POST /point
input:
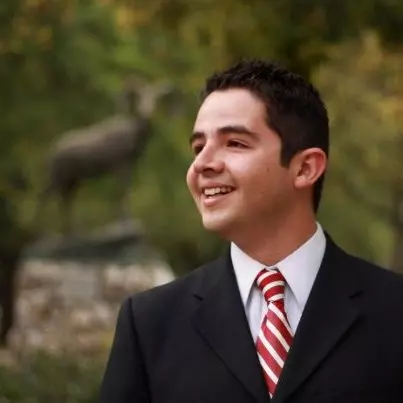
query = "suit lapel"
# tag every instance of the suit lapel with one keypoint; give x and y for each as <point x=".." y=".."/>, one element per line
<point x="329" y="314"/>
<point x="221" y="322"/>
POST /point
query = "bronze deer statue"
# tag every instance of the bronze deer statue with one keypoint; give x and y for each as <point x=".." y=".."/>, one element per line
<point x="110" y="146"/>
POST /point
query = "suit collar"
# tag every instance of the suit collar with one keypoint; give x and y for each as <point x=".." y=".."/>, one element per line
<point x="330" y="312"/>
<point x="221" y="322"/>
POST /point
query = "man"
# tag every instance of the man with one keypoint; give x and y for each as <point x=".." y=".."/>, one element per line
<point x="285" y="315"/>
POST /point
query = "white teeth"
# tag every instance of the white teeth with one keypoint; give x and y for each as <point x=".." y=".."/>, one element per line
<point x="217" y="190"/>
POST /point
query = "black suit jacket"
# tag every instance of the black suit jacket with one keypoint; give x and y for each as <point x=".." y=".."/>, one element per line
<point x="189" y="341"/>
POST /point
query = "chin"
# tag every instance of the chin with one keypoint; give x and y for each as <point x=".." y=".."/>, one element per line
<point x="212" y="226"/>
<point x="219" y="226"/>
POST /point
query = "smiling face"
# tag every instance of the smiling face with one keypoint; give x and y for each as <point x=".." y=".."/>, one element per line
<point x="236" y="178"/>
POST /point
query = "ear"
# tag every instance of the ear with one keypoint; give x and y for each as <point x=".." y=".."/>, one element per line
<point x="308" y="166"/>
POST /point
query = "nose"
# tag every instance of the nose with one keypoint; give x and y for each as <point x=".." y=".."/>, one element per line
<point x="208" y="160"/>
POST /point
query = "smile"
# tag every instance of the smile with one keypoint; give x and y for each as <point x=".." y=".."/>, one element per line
<point x="215" y="195"/>
<point x="214" y="191"/>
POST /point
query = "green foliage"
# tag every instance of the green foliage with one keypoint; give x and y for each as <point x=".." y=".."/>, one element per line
<point x="45" y="378"/>
<point x="363" y="89"/>
<point x="63" y="63"/>
<point x="297" y="33"/>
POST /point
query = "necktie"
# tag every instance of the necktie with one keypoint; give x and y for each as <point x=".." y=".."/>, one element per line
<point x="275" y="336"/>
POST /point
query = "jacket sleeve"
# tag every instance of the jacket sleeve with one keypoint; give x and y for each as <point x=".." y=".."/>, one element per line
<point x="124" y="379"/>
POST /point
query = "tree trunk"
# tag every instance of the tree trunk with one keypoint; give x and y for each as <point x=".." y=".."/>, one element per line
<point x="7" y="299"/>
<point x="397" y="222"/>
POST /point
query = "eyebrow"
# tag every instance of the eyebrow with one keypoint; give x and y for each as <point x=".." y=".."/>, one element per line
<point x="229" y="129"/>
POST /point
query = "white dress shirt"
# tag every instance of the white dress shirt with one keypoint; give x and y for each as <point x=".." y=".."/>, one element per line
<point x="299" y="270"/>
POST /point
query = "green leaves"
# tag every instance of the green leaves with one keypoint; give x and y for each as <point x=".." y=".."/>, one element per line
<point x="64" y="62"/>
<point x="44" y="378"/>
<point x="364" y="92"/>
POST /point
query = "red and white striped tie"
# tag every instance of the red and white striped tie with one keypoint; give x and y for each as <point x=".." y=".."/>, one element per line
<point x="275" y="336"/>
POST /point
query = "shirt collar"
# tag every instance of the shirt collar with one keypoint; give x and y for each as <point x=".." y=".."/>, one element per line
<point x="299" y="268"/>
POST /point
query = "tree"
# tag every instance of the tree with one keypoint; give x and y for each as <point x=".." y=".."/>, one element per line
<point x="57" y="58"/>
<point x="363" y="87"/>
<point x="63" y="61"/>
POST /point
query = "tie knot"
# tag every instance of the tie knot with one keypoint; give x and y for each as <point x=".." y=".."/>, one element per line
<point x="272" y="284"/>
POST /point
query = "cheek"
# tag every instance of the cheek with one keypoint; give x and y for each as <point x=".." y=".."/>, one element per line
<point x="255" y="176"/>
<point x="263" y="183"/>
<point x="245" y="171"/>
<point x="190" y="177"/>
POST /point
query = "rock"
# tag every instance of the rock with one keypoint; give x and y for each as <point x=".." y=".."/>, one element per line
<point x="34" y="274"/>
<point x="98" y="316"/>
<point x="71" y="307"/>
<point x="80" y="282"/>
<point x="104" y="315"/>
<point x="161" y="274"/>
<point x="80" y="319"/>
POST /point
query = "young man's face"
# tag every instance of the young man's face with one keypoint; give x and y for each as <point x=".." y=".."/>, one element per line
<point x="236" y="178"/>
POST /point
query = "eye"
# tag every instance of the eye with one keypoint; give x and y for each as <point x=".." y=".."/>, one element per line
<point x="197" y="148"/>
<point x="236" y="144"/>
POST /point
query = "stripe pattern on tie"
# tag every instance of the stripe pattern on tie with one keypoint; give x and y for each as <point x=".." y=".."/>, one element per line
<point x="275" y="336"/>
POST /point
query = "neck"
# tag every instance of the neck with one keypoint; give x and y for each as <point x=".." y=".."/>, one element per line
<point x="271" y="246"/>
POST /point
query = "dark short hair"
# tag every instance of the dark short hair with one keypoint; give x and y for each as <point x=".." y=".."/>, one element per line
<point x="295" y="110"/>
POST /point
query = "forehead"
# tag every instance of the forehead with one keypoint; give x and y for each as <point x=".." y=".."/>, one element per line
<point x="230" y="107"/>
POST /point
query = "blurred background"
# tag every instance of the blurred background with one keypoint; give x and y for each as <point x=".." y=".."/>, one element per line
<point x="98" y="98"/>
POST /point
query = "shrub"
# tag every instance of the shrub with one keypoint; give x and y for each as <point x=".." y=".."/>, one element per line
<point x="44" y="378"/>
